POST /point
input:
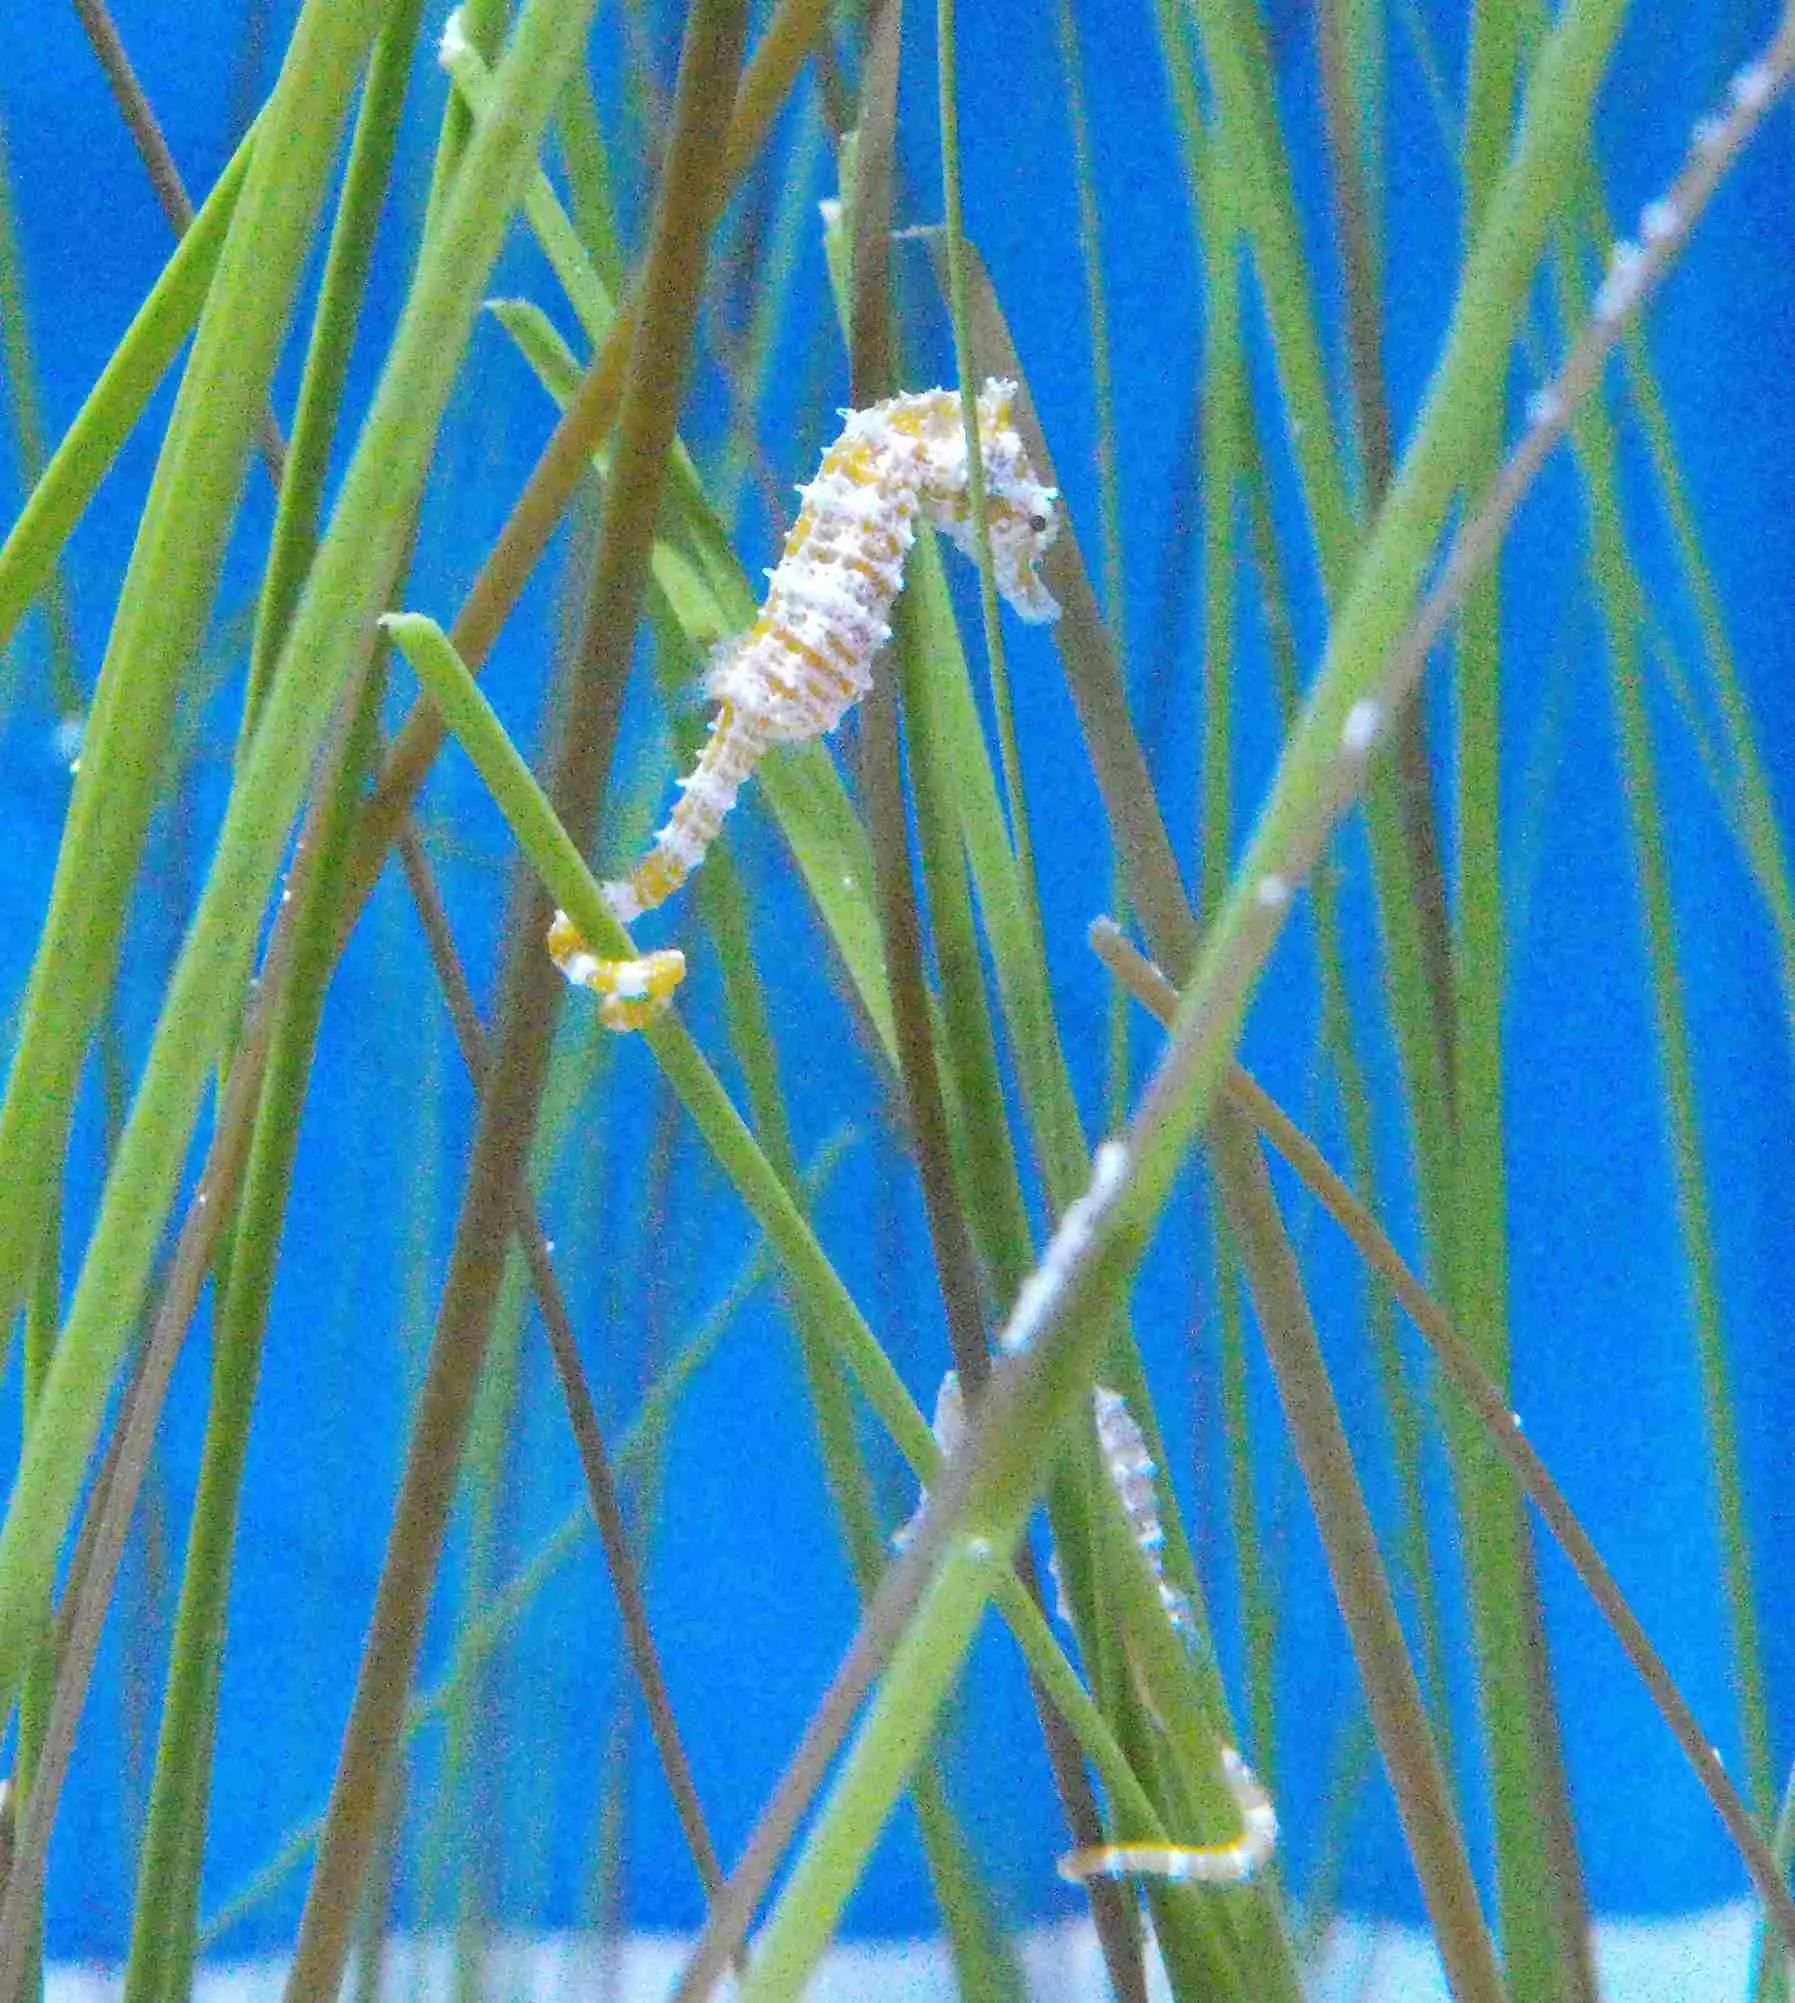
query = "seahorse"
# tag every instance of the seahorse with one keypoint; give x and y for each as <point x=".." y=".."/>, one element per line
<point x="1130" y="1469"/>
<point x="808" y="657"/>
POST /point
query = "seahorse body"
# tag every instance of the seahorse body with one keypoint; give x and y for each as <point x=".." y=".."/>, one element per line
<point x="808" y="657"/>
<point x="1130" y="1469"/>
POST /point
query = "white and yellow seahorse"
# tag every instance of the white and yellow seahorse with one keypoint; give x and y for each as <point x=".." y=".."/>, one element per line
<point x="808" y="658"/>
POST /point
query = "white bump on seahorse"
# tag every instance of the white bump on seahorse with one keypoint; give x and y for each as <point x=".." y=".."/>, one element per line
<point x="808" y="657"/>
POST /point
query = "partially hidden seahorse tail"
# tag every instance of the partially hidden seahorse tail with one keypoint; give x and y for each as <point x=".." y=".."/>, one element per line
<point x="1130" y="1469"/>
<point x="1192" y="1864"/>
<point x="735" y="746"/>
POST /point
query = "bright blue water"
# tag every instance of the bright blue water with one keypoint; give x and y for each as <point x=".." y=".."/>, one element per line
<point x="750" y="1594"/>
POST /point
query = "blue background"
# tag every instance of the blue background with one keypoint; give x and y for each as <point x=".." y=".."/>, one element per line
<point x="751" y="1597"/>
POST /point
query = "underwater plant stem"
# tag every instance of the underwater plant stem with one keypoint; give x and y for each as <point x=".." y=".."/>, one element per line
<point x="882" y="786"/>
<point x="1090" y="235"/>
<point x="954" y="218"/>
<point x="93" y="1574"/>
<point x="972" y="1057"/>
<point x="18" y="361"/>
<point x="134" y="106"/>
<point x="300" y="478"/>
<point x="1223" y="431"/>
<point x="165" y="1910"/>
<point x="1370" y="668"/>
<point x="798" y="30"/>
<point x="1416" y="819"/>
<point x="158" y="161"/>
<point x="564" y="460"/>
<point x="1361" y="1586"/>
<point x="1621" y="605"/>
<point x="882" y="779"/>
<point x="1527" y="1787"/>
<point x="686" y="212"/>
<point x="950" y="1235"/>
<point x="898" y="1727"/>
<point x="945" y="1205"/>
<point x="952" y="785"/>
<point x="1770" y="1967"/>
<point x="43" y="1313"/>
<point x="135" y="367"/>
<point x="1361" y="262"/>
<point x="166" y="598"/>
<point x="1094" y="679"/>
<point x="1491" y="1410"/>
<point x="333" y="633"/>
<point x="1251" y="153"/>
<point x="867" y="201"/>
<point x="482" y="24"/>
<point x="595" y="1460"/>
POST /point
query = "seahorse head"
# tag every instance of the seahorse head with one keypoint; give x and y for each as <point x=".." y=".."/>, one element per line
<point x="1021" y="513"/>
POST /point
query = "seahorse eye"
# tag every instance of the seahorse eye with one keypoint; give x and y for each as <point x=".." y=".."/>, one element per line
<point x="1038" y="523"/>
